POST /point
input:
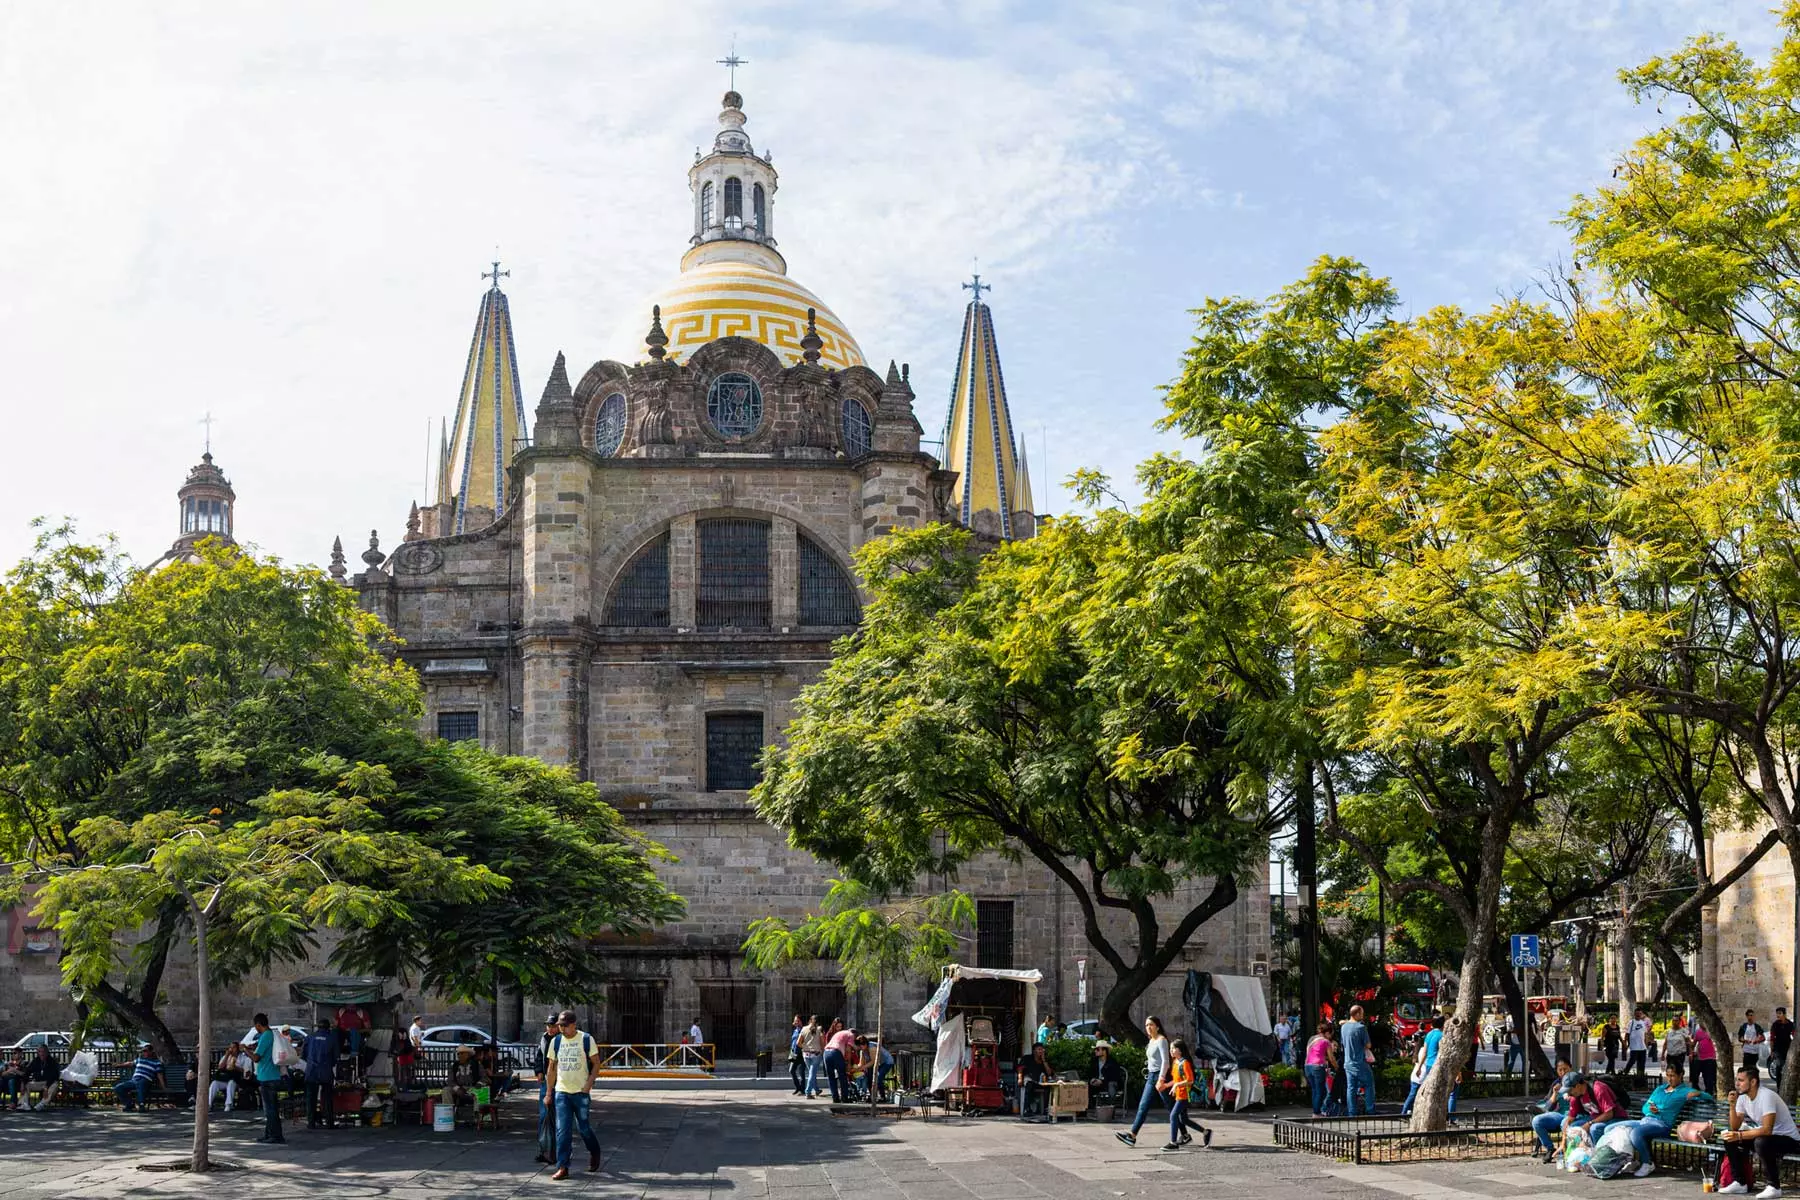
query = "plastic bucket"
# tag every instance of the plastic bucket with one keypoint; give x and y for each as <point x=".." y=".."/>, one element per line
<point x="443" y="1119"/>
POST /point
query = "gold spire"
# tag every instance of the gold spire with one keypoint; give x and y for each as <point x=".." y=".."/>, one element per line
<point x="979" y="443"/>
<point x="490" y="414"/>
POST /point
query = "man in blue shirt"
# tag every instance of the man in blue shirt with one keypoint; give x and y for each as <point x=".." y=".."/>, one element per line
<point x="268" y="1080"/>
<point x="147" y="1070"/>
<point x="794" y="1062"/>
<point x="321" y="1054"/>
<point x="1358" y="1077"/>
<point x="1660" y="1111"/>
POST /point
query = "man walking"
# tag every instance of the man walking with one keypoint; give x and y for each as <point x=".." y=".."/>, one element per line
<point x="572" y="1063"/>
<point x="268" y="1081"/>
<point x="1750" y="1037"/>
<point x="1781" y="1036"/>
<point x="1637" y="1045"/>
<point x="1354" y="1038"/>
<point x="1676" y="1045"/>
<point x="320" y="1054"/>
<point x="1284" y="1035"/>
<point x="794" y="1060"/>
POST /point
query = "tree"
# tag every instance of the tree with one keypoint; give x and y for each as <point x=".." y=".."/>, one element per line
<point x="304" y="859"/>
<point x="1018" y="703"/>
<point x="871" y="938"/>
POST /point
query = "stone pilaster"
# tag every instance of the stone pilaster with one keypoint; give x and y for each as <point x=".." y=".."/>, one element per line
<point x="556" y="667"/>
<point x="683" y="571"/>
<point x="784" y="573"/>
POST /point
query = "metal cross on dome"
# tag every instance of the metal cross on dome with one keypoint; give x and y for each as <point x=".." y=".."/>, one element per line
<point x="496" y="274"/>
<point x="733" y="62"/>
<point x="978" y="287"/>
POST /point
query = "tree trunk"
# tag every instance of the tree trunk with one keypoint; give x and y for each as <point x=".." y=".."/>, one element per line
<point x="1584" y="967"/>
<point x="1625" y="951"/>
<point x="1431" y="1108"/>
<point x="139" y="1017"/>
<point x="1515" y="1004"/>
<point x="1675" y="971"/>
<point x="202" y="1051"/>
<point x="880" y="1036"/>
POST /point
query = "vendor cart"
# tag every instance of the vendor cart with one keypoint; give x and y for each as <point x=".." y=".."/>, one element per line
<point x="983" y="1019"/>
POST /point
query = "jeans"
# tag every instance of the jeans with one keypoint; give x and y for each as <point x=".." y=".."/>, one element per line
<point x="572" y="1113"/>
<point x="1144" y="1102"/>
<point x="1315" y="1078"/>
<point x="881" y="1077"/>
<point x="1545" y="1124"/>
<point x="10" y="1087"/>
<point x="546" y="1124"/>
<point x="797" y="1072"/>
<point x="125" y="1088"/>
<point x="1358" y="1076"/>
<point x="1643" y="1132"/>
<point x="1768" y="1149"/>
<point x="1035" y="1099"/>
<point x="321" y="1103"/>
<point x="838" y="1075"/>
<point x="1635" y="1062"/>
<point x="1177" y="1120"/>
<point x="812" y="1074"/>
<point x="271" y="1106"/>
<point x="1513" y="1052"/>
<point x="1412" y="1093"/>
<point x="1777" y="1060"/>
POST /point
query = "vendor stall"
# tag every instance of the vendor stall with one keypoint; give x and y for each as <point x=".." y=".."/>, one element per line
<point x="983" y="1017"/>
<point x="1232" y="1036"/>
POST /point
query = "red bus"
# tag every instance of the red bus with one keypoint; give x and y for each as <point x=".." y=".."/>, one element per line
<point x="1415" y="996"/>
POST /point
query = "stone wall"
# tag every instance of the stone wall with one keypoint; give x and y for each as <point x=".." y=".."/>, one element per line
<point x="1756" y="921"/>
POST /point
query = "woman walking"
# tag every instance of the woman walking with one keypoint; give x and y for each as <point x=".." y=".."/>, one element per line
<point x="1156" y="1074"/>
<point x="1321" y="1061"/>
<point x="1706" y="1061"/>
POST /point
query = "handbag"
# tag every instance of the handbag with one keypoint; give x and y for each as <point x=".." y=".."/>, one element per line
<point x="1696" y="1132"/>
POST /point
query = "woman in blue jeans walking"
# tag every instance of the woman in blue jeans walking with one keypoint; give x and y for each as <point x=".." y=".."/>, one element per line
<point x="1156" y="1070"/>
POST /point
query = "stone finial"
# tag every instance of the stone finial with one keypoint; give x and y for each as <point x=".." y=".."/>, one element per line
<point x="556" y="388"/>
<point x="412" y="524"/>
<point x="556" y="424"/>
<point x="656" y="339"/>
<point x="906" y="374"/>
<point x="373" y="555"/>
<point x="811" y="344"/>
<point x="893" y="375"/>
<point x="338" y="573"/>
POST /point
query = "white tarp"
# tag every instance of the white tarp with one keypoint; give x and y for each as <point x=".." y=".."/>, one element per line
<point x="952" y="1057"/>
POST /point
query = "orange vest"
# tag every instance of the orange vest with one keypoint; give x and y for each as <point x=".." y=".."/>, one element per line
<point x="1181" y="1077"/>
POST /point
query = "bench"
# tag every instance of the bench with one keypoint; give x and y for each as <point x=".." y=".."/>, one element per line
<point x="1689" y="1156"/>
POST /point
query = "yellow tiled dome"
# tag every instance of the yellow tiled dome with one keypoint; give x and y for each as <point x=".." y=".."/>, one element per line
<point x="741" y="299"/>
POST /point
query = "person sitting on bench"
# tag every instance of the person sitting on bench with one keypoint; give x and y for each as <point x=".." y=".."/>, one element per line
<point x="1661" y="1108"/>
<point x="133" y="1090"/>
<point x="1035" y="1077"/>
<point x="1760" y="1122"/>
<point x="1106" y="1078"/>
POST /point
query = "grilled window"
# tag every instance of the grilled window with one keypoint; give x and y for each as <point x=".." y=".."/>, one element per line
<point x="856" y="429"/>
<point x="641" y="597"/>
<point x="706" y="205"/>
<point x="734" y="742"/>
<point x="734" y="574"/>
<point x="994" y="933"/>
<point x="826" y="596"/>
<point x="734" y="199"/>
<point x="609" y="424"/>
<point x="759" y="208"/>
<point x="459" y="726"/>
<point x="634" y="1011"/>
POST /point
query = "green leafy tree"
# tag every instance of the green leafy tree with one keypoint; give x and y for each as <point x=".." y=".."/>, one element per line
<point x="872" y="939"/>
<point x="303" y="860"/>
<point x="1022" y="703"/>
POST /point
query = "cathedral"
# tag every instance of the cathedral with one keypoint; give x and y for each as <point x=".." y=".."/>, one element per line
<point x="637" y="580"/>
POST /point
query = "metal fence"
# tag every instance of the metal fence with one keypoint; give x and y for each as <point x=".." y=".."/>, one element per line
<point x="656" y="1057"/>
<point x="431" y="1068"/>
<point x="1475" y="1134"/>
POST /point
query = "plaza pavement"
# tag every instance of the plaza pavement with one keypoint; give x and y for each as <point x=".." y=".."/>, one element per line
<point x="739" y="1139"/>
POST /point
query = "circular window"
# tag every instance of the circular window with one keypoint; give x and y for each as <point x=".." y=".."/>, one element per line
<point x="856" y="429"/>
<point x="734" y="404"/>
<point x="609" y="424"/>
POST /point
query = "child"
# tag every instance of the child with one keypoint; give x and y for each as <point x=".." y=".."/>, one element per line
<point x="1180" y="1085"/>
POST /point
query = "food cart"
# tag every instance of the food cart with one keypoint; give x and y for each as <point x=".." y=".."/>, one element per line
<point x="983" y="1018"/>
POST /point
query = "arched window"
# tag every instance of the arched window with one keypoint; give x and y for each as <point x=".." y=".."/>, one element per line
<point x="204" y="516"/>
<point x="734" y="199"/>
<point x="759" y="208"/>
<point x="826" y="594"/>
<point x="734" y="574"/>
<point x="706" y="205"/>
<point x="641" y="597"/>
<point x="855" y="424"/>
<point x="609" y="424"/>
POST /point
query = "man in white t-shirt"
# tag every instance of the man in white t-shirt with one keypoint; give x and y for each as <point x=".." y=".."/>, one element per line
<point x="1760" y="1122"/>
<point x="1284" y="1037"/>
<point x="694" y="1032"/>
<point x="1637" y="1044"/>
<point x="1750" y="1038"/>
<point x="569" y="1076"/>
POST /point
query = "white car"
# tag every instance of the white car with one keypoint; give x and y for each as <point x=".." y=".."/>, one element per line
<point x="31" y="1041"/>
<point x="448" y="1037"/>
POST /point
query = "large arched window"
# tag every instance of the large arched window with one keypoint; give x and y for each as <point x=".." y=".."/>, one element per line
<point x="759" y="208"/>
<point x="826" y="594"/>
<point x="706" y="205"/>
<point x="733" y="574"/>
<point x="734" y="199"/>
<point x="855" y="424"/>
<point x="641" y="597"/>
<point x="609" y="424"/>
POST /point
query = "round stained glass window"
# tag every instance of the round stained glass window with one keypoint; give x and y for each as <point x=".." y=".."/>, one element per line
<point x="609" y="424"/>
<point x="734" y="404"/>
<point x="856" y="429"/>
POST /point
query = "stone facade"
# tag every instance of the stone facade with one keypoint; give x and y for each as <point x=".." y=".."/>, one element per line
<point x="1754" y="925"/>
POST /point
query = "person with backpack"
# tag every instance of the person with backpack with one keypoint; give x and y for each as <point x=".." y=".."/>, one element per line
<point x="1609" y="1044"/>
<point x="1760" y="1123"/>
<point x="1781" y="1036"/>
<point x="272" y="1055"/>
<point x="1593" y="1105"/>
<point x="573" y="1060"/>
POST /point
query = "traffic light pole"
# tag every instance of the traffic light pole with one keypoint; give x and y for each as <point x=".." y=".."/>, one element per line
<point x="1306" y="867"/>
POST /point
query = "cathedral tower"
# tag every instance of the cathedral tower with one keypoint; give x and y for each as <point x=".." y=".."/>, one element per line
<point x="490" y="420"/>
<point x="993" y="486"/>
<point x="207" y="503"/>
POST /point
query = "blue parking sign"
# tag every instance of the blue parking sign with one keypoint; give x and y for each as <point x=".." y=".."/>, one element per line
<point x="1525" y="950"/>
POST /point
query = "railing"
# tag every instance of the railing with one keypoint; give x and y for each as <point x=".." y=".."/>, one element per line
<point x="1475" y="1134"/>
<point x="655" y="1058"/>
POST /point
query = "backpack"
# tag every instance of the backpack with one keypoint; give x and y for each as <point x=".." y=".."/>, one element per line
<point x="587" y="1053"/>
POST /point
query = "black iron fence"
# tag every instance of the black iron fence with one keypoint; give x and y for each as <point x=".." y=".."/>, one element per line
<point x="1475" y="1134"/>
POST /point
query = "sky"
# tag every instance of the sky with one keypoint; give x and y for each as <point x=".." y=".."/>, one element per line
<point x="278" y="214"/>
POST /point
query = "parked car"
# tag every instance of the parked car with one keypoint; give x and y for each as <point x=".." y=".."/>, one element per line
<point x="57" y="1042"/>
<point x="451" y="1036"/>
<point x="1088" y="1028"/>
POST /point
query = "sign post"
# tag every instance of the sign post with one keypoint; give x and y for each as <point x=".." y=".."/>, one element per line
<point x="1525" y="956"/>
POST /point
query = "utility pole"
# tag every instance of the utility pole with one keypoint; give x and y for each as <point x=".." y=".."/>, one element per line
<point x="1306" y="868"/>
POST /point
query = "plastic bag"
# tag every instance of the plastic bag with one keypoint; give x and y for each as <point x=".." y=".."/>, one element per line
<point x="82" y="1068"/>
<point x="1612" y="1155"/>
<point x="1576" y="1154"/>
<point x="282" y="1050"/>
